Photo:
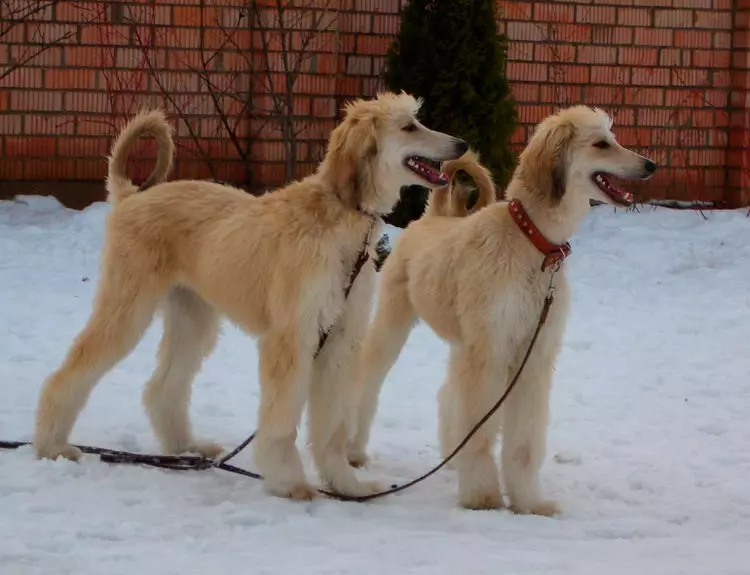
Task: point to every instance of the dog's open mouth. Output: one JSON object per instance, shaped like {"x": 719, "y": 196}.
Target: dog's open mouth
{"x": 428, "y": 170}
{"x": 613, "y": 192}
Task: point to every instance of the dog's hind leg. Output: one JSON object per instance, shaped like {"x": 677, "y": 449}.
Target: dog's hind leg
{"x": 446, "y": 420}
{"x": 191, "y": 329}
{"x": 123, "y": 310}
{"x": 393, "y": 322}
{"x": 285, "y": 368}
{"x": 447, "y": 405}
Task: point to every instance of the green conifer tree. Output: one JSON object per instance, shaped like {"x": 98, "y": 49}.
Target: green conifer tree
{"x": 450, "y": 54}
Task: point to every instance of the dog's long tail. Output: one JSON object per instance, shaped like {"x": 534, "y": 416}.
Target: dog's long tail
{"x": 152, "y": 123}
{"x": 470, "y": 164}
{"x": 450, "y": 200}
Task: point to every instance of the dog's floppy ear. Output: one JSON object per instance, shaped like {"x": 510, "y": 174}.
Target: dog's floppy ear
{"x": 544, "y": 160}
{"x": 346, "y": 165}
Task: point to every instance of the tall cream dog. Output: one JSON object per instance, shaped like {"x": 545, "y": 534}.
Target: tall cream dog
{"x": 477, "y": 281}
{"x": 275, "y": 265}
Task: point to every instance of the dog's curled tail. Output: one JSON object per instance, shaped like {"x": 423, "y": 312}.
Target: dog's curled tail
{"x": 450, "y": 200}
{"x": 470, "y": 164}
{"x": 147, "y": 122}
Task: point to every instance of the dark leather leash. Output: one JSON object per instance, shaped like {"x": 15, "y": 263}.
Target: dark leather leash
{"x": 554, "y": 256}
{"x": 362, "y": 258}
{"x": 190, "y": 462}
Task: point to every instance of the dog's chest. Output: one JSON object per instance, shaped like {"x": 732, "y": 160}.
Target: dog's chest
{"x": 332, "y": 287}
{"x": 515, "y": 312}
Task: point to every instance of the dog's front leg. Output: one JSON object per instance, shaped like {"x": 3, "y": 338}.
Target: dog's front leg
{"x": 526, "y": 416}
{"x": 382, "y": 343}
{"x": 525, "y": 419}
{"x": 285, "y": 367}
{"x": 332, "y": 407}
{"x": 331, "y": 404}
{"x": 471, "y": 384}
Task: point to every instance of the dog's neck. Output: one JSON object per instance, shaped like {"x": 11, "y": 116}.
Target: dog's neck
{"x": 559, "y": 221}
{"x": 369, "y": 213}
{"x": 379, "y": 200}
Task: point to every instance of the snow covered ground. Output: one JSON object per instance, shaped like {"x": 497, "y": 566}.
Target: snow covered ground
{"x": 649, "y": 444}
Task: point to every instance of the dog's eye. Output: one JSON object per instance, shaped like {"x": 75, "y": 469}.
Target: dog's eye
{"x": 410, "y": 128}
{"x": 602, "y": 144}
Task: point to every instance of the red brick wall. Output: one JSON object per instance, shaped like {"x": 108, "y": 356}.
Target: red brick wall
{"x": 738, "y": 152}
{"x": 663, "y": 68}
{"x": 675, "y": 74}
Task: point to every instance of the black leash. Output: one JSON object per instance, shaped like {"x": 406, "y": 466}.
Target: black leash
{"x": 362, "y": 258}
{"x": 189, "y": 462}
{"x": 175, "y": 462}
{"x": 195, "y": 462}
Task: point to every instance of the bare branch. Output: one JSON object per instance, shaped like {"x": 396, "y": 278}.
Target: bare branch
{"x": 17, "y": 12}
{"x": 27, "y": 57}
{"x": 296, "y": 23}
{"x": 213, "y": 93}
{"x": 170, "y": 98}
{"x": 14, "y": 12}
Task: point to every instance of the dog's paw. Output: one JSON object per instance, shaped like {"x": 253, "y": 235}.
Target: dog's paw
{"x": 482, "y": 501}
{"x": 357, "y": 458}
{"x": 297, "y": 491}
{"x": 54, "y": 451}
{"x": 364, "y": 488}
{"x": 546, "y": 508}
{"x": 302, "y": 492}
{"x": 207, "y": 449}
{"x": 372, "y": 487}
{"x": 350, "y": 486}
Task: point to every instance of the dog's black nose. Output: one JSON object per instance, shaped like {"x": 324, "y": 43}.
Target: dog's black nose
{"x": 650, "y": 166}
{"x": 461, "y": 147}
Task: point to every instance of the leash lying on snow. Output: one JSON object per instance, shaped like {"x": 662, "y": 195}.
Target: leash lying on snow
{"x": 189, "y": 462}
{"x": 554, "y": 256}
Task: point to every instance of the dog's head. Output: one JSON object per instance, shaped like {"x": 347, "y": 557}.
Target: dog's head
{"x": 575, "y": 152}
{"x": 380, "y": 147}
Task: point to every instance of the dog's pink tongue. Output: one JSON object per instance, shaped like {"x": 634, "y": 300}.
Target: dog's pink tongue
{"x": 617, "y": 190}
{"x": 438, "y": 175}
{"x": 627, "y": 196}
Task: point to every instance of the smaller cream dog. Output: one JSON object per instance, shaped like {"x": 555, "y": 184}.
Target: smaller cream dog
{"x": 480, "y": 282}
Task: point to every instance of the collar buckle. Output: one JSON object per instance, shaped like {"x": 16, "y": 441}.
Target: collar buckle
{"x": 554, "y": 254}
